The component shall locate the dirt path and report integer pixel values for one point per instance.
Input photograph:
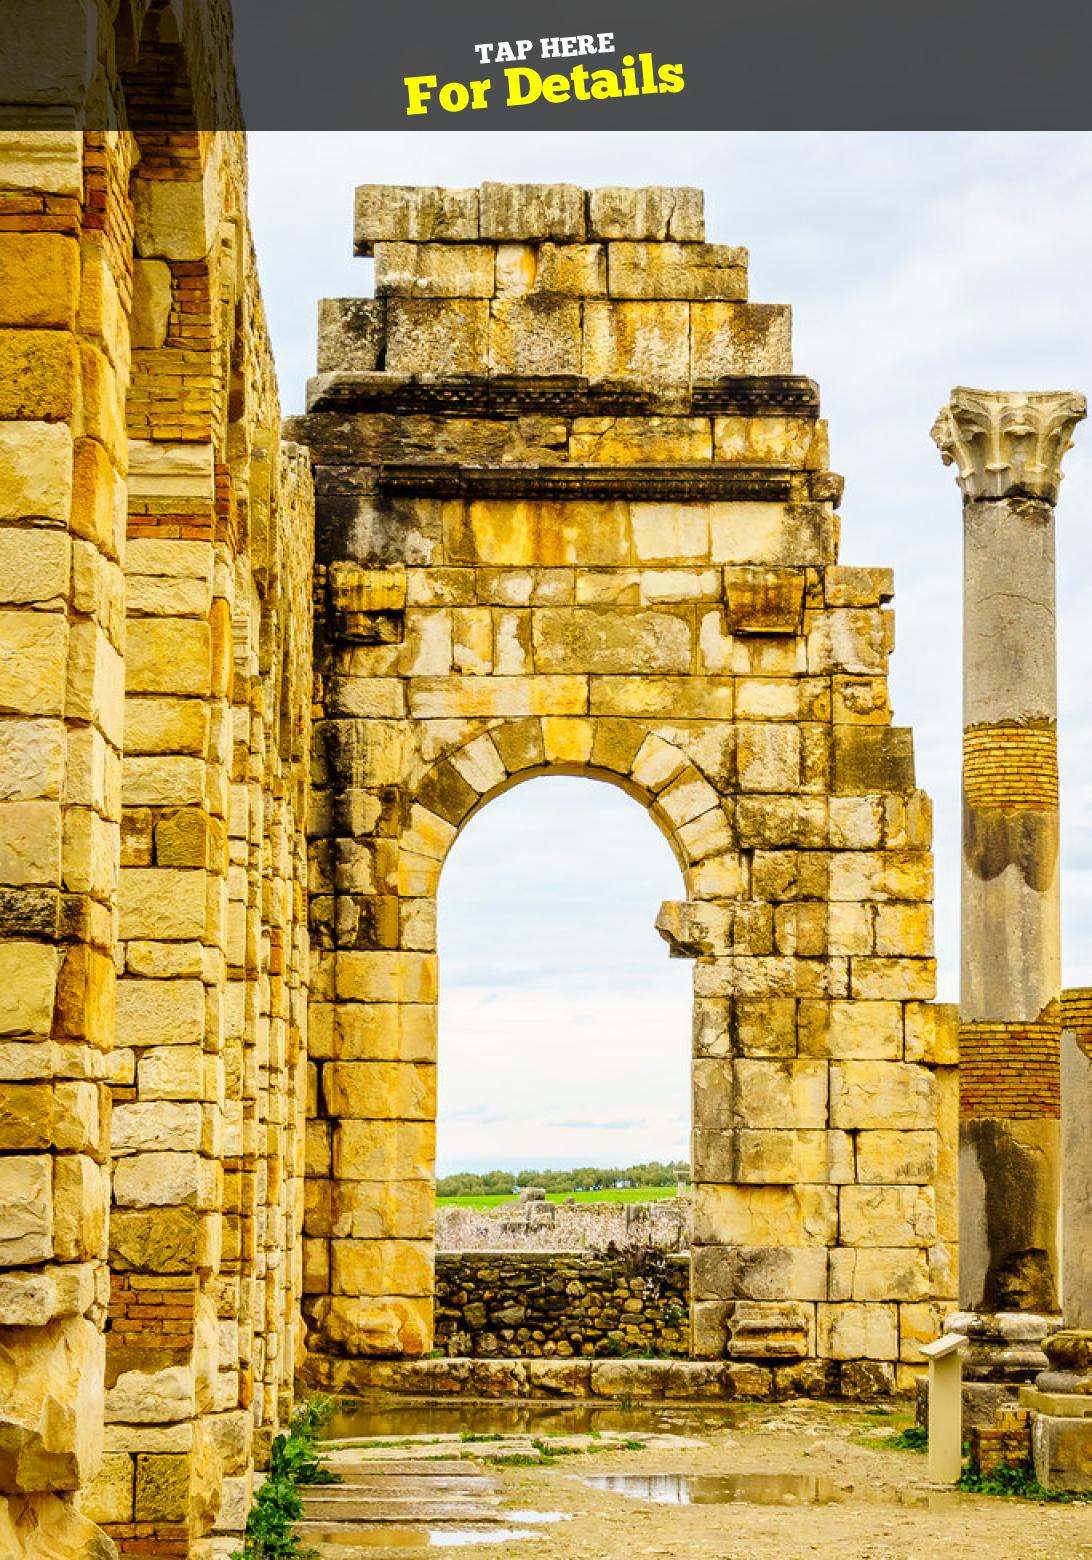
(877, 1503)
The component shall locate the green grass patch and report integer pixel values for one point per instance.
(1017, 1483)
(613, 1194)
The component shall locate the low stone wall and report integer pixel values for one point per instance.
(537, 1304)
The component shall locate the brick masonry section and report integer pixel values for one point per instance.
(1011, 767)
(1077, 1016)
(1010, 1072)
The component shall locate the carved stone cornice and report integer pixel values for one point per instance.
(655, 483)
(1008, 444)
(562, 395)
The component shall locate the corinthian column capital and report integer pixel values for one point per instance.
(1008, 444)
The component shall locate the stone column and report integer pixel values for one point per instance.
(1008, 449)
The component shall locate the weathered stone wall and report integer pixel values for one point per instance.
(155, 542)
(547, 1305)
(575, 515)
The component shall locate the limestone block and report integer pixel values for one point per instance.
(375, 1267)
(168, 557)
(365, 1210)
(856, 587)
(763, 600)
(645, 341)
(30, 1299)
(881, 1094)
(387, 212)
(862, 700)
(776, 1157)
(383, 1327)
(920, 1322)
(139, 1126)
(159, 1012)
(33, 662)
(904, 930)
(670, 533)
(899, 978)
(851, 1030)
(152, 597)
(176, 220)
(393, 1091)
(384, 1150)
(381, 1031)
(759, 1272)
(30, 843)
(26, 1209)
(172, 1072)
(503, 697)
(765, 1215)
(761, 441)
(162, 1179)
(39, 280)
(858, 1332)
(151, 309)
(932, 1033)
(80, 1197)
(163, 1240)
(537, 532)
(740, 338)
(879, 1273)
(434, 270)
(651, 212)
(39, 375)
(49, 161)
(162, 903)
(109, 1496)
(887, 1215)
(50, 1388)
(539, 334)
(437, 336)
(678, 585)
(169, 655)
(602, 640)
(768, 757)
(849, 639)
(384, 976)
(531, 211)
(351, 334)
(765, 1026)
(35, 471)
(769, 534)
(155, 1397)
(563, 270)
(779, 1093)
(673, 270)
(897, 1156)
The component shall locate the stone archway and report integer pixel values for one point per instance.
(574, 513)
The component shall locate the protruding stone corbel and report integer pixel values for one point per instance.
(367, 606)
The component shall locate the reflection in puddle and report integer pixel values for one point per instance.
(452, 1538)
(762, 1489)
(691, 1489)
(414, 1539)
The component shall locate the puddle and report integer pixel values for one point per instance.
(760, 1489)
(392, 1421)
(414, 1540)
(698, 1489)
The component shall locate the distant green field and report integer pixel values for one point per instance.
(617, 1194)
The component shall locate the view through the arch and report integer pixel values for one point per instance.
(564, 1036)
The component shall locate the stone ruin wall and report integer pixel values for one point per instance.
(574, 515)
(562, 1305)
(155, 678)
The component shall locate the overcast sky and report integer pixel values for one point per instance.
(913, 263)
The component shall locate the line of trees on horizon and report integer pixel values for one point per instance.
(508, 1183)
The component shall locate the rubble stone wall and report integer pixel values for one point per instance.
(549, 1304)
(156, 541)
(575, 515)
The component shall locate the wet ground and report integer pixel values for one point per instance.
(602, 1482)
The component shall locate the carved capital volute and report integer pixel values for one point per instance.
(1008, 444)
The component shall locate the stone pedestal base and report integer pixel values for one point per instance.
(1002, 1347)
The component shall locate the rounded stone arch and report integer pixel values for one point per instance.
(626, 753)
